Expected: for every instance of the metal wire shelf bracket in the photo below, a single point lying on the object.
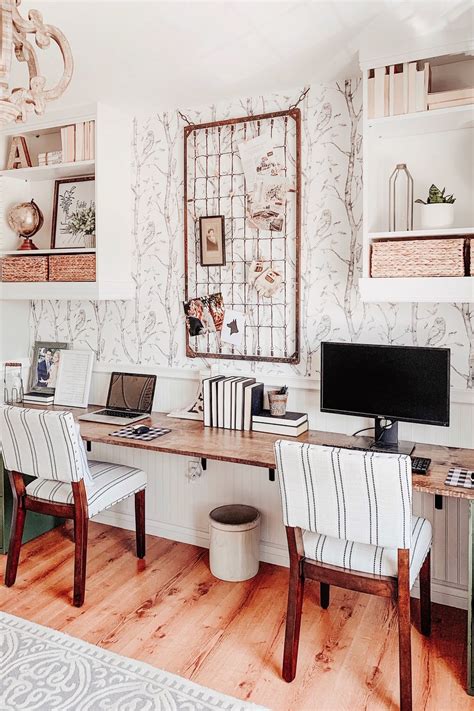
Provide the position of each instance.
(215, 185)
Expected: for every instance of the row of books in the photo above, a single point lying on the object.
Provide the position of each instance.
(231, 402)
(453, 97)
(78, 141)
(398, 89)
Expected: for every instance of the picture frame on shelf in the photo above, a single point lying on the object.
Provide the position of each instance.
(212, 240)
(45, 365)
(73, 222)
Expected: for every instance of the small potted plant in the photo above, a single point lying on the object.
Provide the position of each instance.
(438, 210)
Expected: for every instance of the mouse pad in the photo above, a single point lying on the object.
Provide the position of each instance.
(128, 433)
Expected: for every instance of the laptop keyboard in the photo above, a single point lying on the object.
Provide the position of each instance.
(119, 413)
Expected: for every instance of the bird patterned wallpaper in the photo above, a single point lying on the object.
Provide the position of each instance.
(150, 329)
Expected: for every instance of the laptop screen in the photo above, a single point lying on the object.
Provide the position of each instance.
(129, 391)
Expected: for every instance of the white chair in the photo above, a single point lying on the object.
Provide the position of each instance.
(349, 523)
(47, 445)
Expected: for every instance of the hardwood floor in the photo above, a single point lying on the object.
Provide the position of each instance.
(169, 611)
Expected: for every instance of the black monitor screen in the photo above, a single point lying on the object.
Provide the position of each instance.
(396, 382)
(130, 391)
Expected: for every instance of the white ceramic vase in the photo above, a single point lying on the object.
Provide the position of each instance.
(437, 215)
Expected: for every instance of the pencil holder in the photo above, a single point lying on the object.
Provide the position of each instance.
(277, 402)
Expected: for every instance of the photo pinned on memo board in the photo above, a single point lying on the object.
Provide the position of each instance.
(45, 366)
(73, 224)
(211, 232)
(233, 327)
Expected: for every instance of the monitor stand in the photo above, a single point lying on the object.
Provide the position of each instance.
(386, 439)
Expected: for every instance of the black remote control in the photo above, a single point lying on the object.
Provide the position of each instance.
(420, 465)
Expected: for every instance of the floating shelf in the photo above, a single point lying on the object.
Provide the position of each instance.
(77, 290)
(51, 172)
(434, 121)
(412, 289)
(408, 234)
(40, 252)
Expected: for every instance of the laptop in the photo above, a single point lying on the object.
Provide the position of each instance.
(130, 399)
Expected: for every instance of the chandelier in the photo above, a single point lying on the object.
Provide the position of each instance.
(14, 103)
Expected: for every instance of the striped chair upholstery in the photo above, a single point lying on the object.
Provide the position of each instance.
(46, 444)
(353, 507)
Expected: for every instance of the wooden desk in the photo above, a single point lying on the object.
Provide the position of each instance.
(190, 438)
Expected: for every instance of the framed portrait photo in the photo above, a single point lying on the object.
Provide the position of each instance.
(211, 232)
(45, 365)
(73, 224)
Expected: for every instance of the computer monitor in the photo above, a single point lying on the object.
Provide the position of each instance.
(389, 383)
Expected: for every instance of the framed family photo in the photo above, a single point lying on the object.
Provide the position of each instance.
(73, 224)
(45, 365)
(211, 231)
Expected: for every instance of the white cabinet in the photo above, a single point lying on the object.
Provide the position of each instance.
(111, 168)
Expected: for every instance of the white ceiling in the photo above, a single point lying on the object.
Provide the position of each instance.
(180, 53)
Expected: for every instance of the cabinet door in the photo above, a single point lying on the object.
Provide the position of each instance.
(35, 524)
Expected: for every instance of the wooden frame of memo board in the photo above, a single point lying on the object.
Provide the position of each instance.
(214, 185)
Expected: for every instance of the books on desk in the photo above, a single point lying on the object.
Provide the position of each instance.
(230, 402)
(292, 424)
(38, 397)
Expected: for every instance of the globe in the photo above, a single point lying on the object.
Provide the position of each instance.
(25, 219)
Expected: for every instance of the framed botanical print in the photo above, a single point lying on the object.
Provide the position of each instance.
(73, 225)
(211, 231)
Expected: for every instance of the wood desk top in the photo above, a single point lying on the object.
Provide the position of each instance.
(190, 438)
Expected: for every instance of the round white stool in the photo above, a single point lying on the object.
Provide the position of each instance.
(234, 542)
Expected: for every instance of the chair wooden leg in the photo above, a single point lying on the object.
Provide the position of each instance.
(140, 522)
(404, 629)
(80, 559)
(425, 596)
(16, 534)
(81, 524)
(295, 605)
(324, 595)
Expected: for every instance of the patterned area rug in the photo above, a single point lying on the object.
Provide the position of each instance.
(45, 670)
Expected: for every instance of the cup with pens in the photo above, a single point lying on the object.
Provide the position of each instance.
(277, 400)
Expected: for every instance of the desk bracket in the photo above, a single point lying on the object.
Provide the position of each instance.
(204, 464)
(438, 502)
(271, 475)
(89, 446)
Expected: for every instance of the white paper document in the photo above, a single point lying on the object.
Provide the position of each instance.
(74, 379)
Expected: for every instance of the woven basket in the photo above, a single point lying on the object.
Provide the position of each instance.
(24, 268)
(72, 267)
(418, 258)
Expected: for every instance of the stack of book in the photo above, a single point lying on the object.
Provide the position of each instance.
(78, 141)
(398, 89)
(38, 397)
(454, 97)
(50, 158)
(292, 424)
(231, 402)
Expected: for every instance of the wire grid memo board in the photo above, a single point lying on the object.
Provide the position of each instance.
(215, 185)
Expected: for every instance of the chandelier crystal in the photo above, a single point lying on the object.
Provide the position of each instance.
(15, 102)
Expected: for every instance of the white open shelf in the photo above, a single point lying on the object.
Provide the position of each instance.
(408, 234)
(51, 172)
(41, 252)
(412, 289)
(64, 290)
(421, 122)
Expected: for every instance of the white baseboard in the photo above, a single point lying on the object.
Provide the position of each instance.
(269, 553)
